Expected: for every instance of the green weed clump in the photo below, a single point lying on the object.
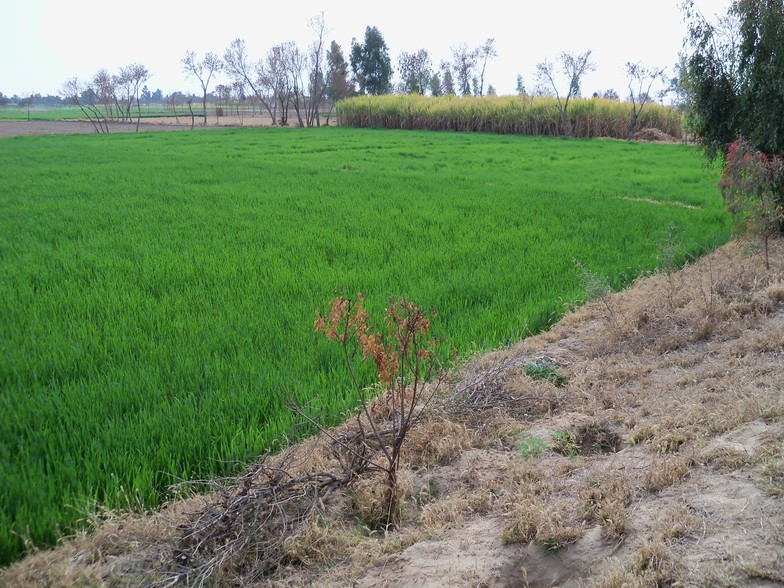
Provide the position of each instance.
(157, 289)
(546, 369)
(508, 115)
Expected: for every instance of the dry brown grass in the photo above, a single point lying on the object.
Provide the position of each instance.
(606, 500)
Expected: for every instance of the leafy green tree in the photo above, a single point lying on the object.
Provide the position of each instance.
(339, 85)
(371, 64)
(436, 87)
(520, 85)
(732, 76)
(447, 79)
(762, 72)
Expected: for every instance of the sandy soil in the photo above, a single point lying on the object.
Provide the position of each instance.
(659, 462)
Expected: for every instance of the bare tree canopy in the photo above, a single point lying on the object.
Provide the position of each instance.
(83, 96)
(203, 71)
(249, 74)
(464, 61)
(641, 80)
(108, 96)
(317, 70)
(572, 67)
(485, 52)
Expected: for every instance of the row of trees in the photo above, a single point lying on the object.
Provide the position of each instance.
(290, 79)
(287, 78)
(109, 96)
(146, 97)
(291, 82)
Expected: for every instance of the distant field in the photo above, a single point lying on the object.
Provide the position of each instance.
(156, 289)
(147, 111)
(73, 112)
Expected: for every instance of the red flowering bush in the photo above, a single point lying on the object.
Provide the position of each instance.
(752, 184)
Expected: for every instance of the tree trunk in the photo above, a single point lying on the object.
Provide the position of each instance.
(565, 123)
(193, 117)
(632, 126)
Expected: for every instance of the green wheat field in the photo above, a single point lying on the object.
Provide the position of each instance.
(158, 290)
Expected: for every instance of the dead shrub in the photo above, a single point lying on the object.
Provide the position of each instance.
(370, 498)
(597, 438)
(775, 292)
(317, 543)
(549, 524)
(675, 523)
(665, 472)
(606, 500)
(452, 511)
(773, 471)
(653, 562)
(671, 441)
(436, 441)
(726, 459)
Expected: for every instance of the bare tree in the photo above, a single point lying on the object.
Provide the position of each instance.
(224, 95)
(275, 79)
(123, 94)
(317, 74)
(138, 74)
(573, 68)
(128, 83)
(239, 99)
(75, 92)
(464, 61)
(104, 88)
(641, 79)
(172, 100)
(27, 100)
(484, 53)
(203, 71)
(252, 75)
(295, 66)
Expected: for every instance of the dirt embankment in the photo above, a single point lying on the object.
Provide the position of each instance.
(650, 454)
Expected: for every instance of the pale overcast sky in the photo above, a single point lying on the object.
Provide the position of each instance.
(44, 42)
